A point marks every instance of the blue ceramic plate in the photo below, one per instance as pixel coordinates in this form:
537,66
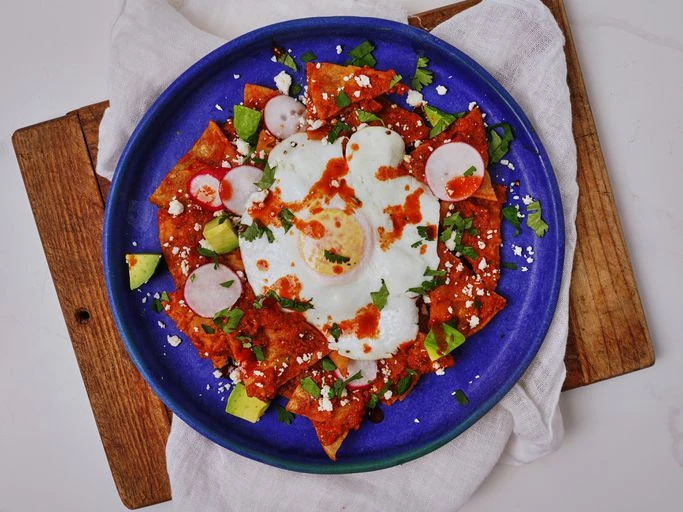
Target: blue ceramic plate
487,365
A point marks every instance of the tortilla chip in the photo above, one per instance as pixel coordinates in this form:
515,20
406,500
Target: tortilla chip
325,81
332,448
485,191
256,96
266,142
210,150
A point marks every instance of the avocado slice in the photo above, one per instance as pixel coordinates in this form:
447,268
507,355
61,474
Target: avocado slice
141,267
452,337
244,406
221,235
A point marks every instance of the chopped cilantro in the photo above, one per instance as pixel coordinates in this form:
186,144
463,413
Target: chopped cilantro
258,353
454,226
336,131
461,397
246,121
422,76
328,365
510,215
468,251
256,230
379,298
534,220
308,57
372,403
397,78
426,232
362,55
367,117
428,285
342,100
157,306
267,178
335,331
258,303
434,273
208,329
310,387
165,297
286,59
511,266
208,253
405,382
228,319
499,146
284,416
193,277
339,385
294,90
227,284
286,217
335,258
470,171
293,304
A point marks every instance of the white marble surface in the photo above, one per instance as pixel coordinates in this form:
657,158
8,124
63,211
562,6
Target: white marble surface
624,445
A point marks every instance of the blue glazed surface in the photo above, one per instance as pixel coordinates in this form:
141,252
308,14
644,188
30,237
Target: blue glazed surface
488,364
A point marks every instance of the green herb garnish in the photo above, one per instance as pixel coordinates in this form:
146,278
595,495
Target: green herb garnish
339,385
310,387
534,220
499,146
361,55
294,305
428,285
286,59
379,298
258,353
246,122
461,397
165,297
294,90
342,100
439,119
336,131
405,382
397,78
335,331
367,117
228,319
286,217
335,258
470,171
256,230
308,57
422,76
510,215
157,306
208,329
267,178
227,284
511,266
208,253
328,365
454,226
284,416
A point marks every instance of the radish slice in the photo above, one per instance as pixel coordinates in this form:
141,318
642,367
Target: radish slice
454,171
237,185
204,189
284,116
207,291
368,370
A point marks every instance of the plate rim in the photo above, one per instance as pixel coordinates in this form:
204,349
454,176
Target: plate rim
375,27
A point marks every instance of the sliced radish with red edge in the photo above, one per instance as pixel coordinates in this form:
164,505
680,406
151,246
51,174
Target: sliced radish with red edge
237,185
204,189
284,116
207,290
368,370
454,171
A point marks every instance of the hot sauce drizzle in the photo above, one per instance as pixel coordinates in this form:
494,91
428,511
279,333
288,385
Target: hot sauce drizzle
401,215
365,324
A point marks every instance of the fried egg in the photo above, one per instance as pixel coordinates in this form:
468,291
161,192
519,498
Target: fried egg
349,229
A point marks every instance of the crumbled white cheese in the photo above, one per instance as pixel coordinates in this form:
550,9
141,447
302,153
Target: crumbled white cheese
314,125
388,394
218,374
474,321
205,244
283,82
185,267
242,146
441,90
235,76
218,107
362,80
339,49
527,200
414,98
482,264
324,403
161,324
173,340
175,207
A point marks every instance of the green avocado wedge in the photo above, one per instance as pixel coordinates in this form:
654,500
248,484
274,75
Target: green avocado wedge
141,267
438,344
244,406
220,233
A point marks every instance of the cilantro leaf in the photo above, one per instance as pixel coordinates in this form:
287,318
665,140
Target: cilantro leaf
454,227
461,397
157,306
470,171
372,403
335,331
286,59
426,232
379,298
208,329
256,230
335,258
208,253
336,131
310,387
340,385
258,353
227,284
510,215
165,297
534,220
362,55
499,146
422,76
367,117
434,273
405,382
228,319
286,217
428,285
284,416
328,365
308,57
267,178
293,304
397,78
294,90
342,100
511,266
246,121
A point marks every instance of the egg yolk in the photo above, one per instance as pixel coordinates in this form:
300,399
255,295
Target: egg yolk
331,242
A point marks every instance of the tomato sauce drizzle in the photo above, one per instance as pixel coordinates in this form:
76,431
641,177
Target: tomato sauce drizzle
385,172
365,324
401,215
462,187
288,287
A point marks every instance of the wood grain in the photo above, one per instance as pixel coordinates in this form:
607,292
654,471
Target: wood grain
608,332
132,422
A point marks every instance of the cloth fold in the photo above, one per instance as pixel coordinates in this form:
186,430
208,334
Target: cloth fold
519,42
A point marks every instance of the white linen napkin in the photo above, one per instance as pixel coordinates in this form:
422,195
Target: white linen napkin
519,42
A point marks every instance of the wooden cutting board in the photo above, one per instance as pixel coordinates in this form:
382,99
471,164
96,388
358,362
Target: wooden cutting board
608,334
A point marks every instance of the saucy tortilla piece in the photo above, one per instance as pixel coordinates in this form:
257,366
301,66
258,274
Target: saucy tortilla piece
409,125
210,345
327,81
210,150
256,96
284,340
